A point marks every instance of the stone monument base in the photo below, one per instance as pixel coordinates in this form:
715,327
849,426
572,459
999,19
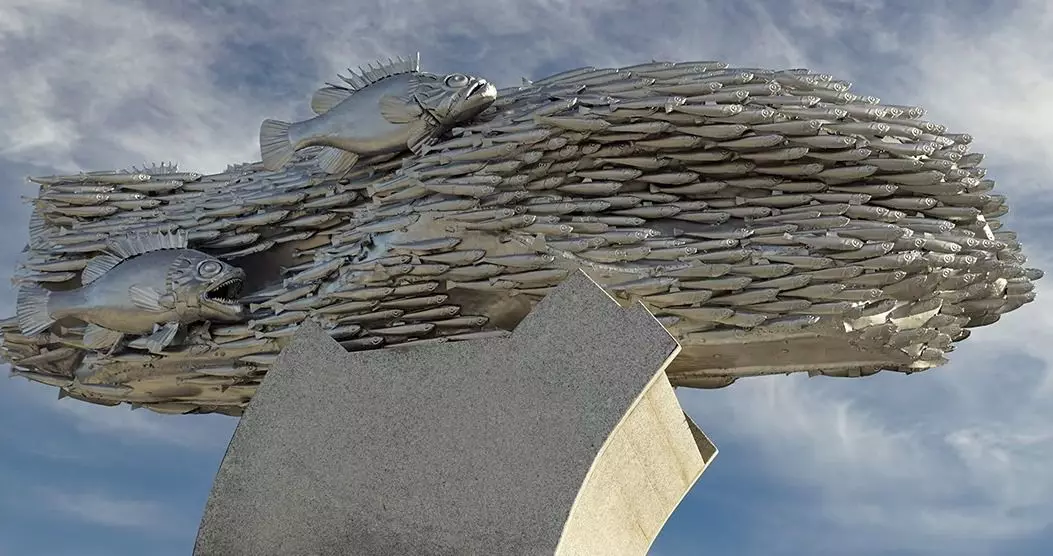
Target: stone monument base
564,438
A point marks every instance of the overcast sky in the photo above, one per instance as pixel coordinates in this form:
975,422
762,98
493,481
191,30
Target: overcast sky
956,460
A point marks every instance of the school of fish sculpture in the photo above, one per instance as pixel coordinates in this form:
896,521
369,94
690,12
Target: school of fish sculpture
772,220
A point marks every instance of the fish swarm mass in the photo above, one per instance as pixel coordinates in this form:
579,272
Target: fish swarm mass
740,205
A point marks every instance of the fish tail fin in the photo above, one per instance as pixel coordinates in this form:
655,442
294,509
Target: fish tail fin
253,307
38,230
336,161
450,284
32,309
276,149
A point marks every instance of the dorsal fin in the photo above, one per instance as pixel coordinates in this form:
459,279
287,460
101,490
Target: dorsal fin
367,77
123,248
327,97
154,169
144,242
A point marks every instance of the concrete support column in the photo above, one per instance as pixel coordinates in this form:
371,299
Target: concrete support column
563,438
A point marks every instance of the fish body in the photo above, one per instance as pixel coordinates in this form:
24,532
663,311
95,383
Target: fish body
384,110
141,282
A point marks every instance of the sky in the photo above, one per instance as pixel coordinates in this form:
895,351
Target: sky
956,460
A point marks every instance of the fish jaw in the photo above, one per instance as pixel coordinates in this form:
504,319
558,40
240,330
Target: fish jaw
462,105
479,97
220,301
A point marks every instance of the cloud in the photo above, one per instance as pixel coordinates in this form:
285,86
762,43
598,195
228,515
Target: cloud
191,432
99,508
121,83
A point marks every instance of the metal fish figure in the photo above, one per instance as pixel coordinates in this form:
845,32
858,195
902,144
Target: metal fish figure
387,109
144,284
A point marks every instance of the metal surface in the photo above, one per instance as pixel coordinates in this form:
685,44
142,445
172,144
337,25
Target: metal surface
772,220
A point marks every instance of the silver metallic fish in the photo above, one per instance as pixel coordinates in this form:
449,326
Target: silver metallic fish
387,109
144,284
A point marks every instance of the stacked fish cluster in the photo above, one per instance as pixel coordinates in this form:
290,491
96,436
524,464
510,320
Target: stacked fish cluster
745,207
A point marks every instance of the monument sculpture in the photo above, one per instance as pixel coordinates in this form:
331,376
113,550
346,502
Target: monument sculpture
771,220
564,438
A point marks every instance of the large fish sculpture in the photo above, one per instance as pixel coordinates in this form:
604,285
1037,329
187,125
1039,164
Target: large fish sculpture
146,284
772,220
382,110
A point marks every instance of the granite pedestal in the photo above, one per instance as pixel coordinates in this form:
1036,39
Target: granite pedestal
563,438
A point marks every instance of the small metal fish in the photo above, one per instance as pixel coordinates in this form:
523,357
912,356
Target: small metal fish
278,320
228,371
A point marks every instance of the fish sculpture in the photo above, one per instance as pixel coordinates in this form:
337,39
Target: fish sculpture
146,284
774,221
381,110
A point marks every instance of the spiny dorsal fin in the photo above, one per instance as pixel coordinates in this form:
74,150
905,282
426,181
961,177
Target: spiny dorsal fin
154,169
367,77
144,242
327,97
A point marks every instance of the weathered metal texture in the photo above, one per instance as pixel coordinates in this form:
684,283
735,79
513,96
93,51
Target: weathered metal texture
563,438
771,219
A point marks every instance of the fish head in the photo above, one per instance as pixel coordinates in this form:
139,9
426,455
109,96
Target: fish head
200,280
454,98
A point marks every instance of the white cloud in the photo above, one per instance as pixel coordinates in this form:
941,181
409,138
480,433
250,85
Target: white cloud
120,80
99,508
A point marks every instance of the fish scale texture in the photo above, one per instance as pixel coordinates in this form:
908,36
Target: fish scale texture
739,204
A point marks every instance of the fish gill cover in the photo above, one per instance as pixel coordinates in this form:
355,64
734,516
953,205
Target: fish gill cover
772,220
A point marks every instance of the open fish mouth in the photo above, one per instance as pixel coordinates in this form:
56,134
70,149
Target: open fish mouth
226,293
481,88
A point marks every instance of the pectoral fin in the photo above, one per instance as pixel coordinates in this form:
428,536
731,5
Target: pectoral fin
161,338
398,110
421,138
326,98
99,338
149,299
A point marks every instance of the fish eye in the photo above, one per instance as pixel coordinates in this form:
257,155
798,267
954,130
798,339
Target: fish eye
208,269
456,80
